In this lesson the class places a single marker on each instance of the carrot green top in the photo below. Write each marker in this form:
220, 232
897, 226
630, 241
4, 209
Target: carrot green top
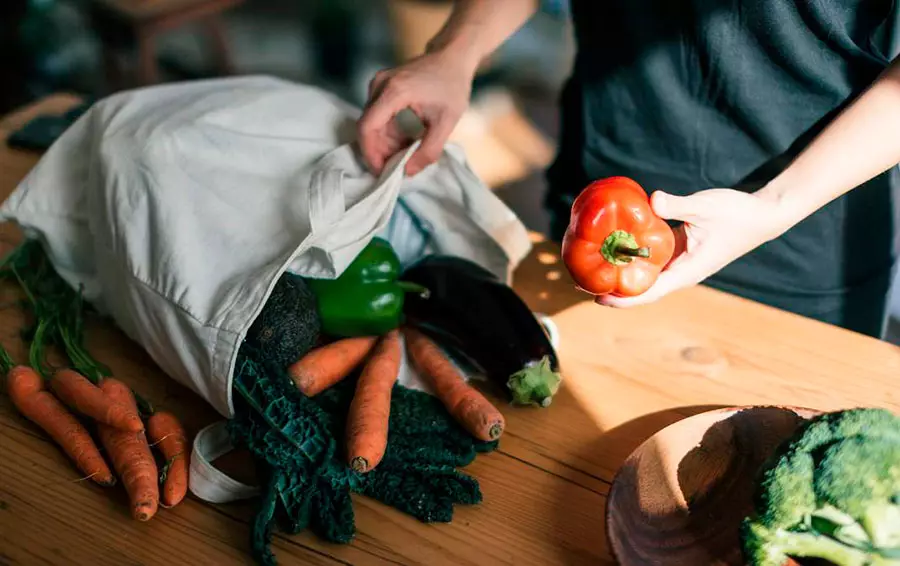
6, 362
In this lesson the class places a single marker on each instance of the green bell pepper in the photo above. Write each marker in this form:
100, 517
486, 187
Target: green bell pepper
367, 298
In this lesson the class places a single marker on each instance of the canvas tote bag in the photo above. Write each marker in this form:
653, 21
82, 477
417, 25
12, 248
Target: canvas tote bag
178, 207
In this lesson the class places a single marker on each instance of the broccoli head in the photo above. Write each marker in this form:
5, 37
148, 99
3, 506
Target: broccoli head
831, 492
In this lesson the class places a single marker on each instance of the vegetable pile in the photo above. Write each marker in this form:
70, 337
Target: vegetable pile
335, 421
830, 493
485, 323
82, 407
300, 446
316, 393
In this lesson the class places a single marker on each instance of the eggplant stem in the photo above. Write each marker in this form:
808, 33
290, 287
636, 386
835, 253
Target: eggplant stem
535, 384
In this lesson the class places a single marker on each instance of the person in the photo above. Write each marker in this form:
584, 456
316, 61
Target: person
767, 131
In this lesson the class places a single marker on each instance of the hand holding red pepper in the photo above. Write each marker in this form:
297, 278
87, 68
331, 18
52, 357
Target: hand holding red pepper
615, 244
719, 226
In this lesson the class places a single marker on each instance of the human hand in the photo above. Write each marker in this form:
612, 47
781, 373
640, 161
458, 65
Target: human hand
719, 226
436, 87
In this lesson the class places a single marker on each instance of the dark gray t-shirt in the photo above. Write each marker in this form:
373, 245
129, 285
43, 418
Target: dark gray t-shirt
685, 95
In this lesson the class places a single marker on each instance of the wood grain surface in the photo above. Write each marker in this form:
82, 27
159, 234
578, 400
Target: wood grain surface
627, 374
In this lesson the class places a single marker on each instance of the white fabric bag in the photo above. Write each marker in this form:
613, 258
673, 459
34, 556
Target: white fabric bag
177, 207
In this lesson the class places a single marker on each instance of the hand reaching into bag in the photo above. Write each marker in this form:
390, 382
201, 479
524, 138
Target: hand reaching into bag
436, 87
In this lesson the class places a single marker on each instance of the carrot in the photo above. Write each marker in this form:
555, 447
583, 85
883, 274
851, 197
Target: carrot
467, 405
167, 433
78, 393
326, 365
370, 410
131, 456
27, 393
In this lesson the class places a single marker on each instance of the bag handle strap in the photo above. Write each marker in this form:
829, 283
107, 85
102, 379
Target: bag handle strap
326, 199
208, 482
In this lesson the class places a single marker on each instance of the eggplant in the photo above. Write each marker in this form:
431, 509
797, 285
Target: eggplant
472, 314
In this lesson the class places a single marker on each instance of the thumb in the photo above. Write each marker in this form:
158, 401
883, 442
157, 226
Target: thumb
671, 207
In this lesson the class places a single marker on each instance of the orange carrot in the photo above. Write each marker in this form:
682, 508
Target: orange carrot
131, 456
166, 432
78, 393
467, 405
370, 410
326, 365
27, 393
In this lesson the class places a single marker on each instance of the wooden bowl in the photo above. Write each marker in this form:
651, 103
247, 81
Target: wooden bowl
679, 499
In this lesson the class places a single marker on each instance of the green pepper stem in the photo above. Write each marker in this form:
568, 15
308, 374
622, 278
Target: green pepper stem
632, 252
621, 247
410, 287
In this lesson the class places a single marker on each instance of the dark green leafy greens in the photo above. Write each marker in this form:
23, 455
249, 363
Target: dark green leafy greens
298, 442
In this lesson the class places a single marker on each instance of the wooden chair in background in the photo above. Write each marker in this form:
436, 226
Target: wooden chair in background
135, 26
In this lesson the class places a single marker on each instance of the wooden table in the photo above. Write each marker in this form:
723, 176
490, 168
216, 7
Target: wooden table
627, 375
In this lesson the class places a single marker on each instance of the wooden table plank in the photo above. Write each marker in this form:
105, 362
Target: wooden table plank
628, 373
529, 517
42, 503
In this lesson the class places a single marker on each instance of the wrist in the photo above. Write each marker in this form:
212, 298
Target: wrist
787, 209
458, 51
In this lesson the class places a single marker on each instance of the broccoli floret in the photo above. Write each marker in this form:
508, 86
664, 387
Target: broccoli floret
831, 492
861, 476
785, 497
829, 427
772, 547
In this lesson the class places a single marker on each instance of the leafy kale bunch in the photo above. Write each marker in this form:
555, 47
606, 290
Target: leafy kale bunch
830, 493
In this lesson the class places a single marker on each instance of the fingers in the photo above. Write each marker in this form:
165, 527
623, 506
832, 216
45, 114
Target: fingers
375, 86
715, 231
684, 271
377, 119
436, 135
434, 88
671, 207
664, 285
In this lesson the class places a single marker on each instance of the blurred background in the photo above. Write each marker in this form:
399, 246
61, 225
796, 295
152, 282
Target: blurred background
95, 47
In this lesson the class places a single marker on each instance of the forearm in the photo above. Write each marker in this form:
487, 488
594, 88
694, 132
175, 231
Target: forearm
861, 143
476, 28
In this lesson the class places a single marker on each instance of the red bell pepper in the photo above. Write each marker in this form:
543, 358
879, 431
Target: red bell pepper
615, 244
